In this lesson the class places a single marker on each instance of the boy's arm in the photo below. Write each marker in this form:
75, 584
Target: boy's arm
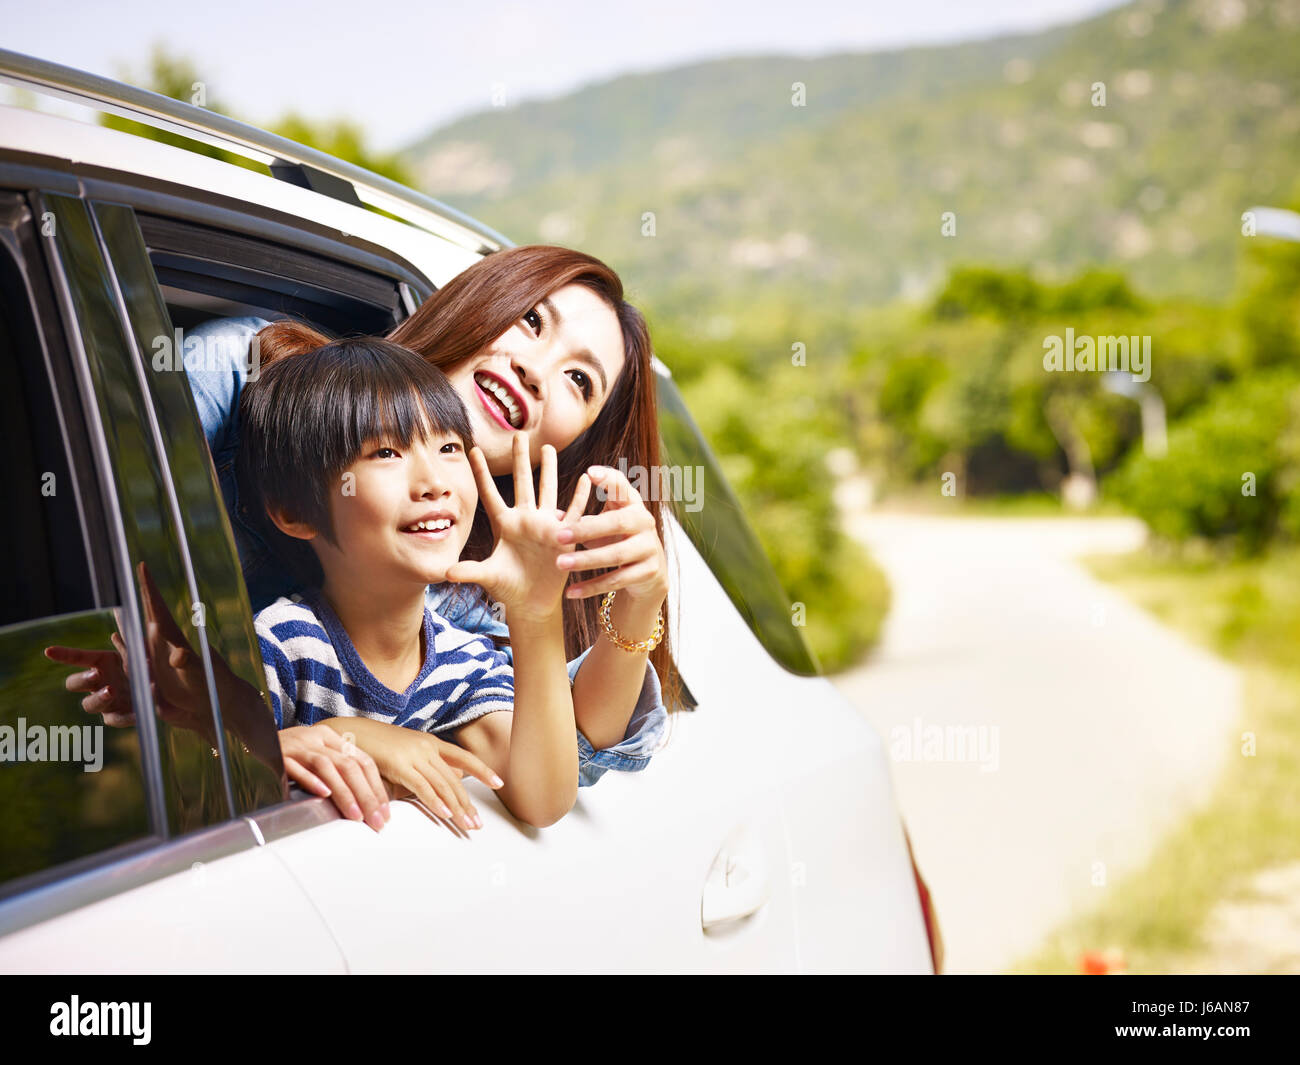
421, 764
541, 763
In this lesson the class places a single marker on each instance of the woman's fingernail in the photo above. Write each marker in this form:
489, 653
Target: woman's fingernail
354, 812
446, 811
376, 818
595, 471
572, 593
565, 562
564, 535
387, 811
497, 782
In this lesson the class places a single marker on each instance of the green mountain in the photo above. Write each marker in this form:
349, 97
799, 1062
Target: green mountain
840, 203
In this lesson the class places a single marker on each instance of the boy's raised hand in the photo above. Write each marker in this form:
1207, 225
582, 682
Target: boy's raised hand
521, 573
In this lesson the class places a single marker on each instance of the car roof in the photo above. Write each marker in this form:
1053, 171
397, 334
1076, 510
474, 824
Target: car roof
82, 144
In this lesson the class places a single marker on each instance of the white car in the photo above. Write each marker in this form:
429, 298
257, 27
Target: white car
763, 836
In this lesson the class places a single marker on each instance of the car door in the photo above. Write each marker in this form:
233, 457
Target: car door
130, 857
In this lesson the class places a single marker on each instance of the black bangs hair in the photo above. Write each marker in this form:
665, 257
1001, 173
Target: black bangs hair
308, 416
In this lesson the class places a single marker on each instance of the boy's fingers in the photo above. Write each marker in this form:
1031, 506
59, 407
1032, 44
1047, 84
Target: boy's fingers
370, 799
454, 791
523, 472
426, 790
475, 767
323, 766
304, 777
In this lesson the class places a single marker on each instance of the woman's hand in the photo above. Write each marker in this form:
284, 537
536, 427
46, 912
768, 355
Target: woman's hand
420, 764
522, 573
622, 535
319, 760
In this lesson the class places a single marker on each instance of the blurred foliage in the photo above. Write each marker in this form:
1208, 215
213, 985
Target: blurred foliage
1225, 475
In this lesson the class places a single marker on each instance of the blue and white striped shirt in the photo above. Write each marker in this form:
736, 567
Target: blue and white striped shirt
313, 672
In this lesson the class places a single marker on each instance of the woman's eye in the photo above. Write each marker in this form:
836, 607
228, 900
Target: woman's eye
582, 381
385, 453
534, 320
450, 448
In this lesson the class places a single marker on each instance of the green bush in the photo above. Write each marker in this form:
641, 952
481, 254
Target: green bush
1203, 486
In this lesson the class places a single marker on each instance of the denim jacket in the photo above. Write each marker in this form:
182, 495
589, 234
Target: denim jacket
216, 386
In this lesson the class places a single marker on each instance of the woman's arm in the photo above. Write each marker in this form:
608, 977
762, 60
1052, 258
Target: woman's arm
622, 535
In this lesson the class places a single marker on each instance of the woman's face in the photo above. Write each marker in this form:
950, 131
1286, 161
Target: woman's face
547, 376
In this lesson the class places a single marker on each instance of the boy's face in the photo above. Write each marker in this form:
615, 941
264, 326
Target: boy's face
401, 513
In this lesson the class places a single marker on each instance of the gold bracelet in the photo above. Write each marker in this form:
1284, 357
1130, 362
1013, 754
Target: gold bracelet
620, 641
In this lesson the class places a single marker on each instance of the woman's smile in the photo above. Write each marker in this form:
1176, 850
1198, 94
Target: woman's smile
503, 403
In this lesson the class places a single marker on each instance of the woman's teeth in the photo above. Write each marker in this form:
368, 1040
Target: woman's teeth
430, 526
502, 395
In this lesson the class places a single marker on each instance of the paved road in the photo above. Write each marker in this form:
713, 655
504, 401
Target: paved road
1100, 726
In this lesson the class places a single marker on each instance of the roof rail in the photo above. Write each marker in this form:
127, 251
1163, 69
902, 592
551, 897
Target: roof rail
287, 160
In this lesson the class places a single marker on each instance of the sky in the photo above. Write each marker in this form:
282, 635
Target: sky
408, 66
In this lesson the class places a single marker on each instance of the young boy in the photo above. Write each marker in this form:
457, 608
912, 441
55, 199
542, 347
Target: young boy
357, 452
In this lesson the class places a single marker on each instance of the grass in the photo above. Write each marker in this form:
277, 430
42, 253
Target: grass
1248, 611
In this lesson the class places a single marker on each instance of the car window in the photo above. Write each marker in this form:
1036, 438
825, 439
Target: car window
713, 519
71, 788
221, 610
160, 589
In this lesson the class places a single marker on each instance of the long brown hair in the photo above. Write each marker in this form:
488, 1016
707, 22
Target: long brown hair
481, 303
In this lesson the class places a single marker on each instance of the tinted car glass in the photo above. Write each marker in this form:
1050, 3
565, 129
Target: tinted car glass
70, 787
195, 784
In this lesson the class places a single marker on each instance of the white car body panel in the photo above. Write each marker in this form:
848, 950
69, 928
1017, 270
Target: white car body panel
240, 914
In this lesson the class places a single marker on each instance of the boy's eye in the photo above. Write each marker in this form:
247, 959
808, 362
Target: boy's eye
582, 381
451, 447
534, 320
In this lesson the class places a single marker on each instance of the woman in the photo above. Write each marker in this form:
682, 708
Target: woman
537, 340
